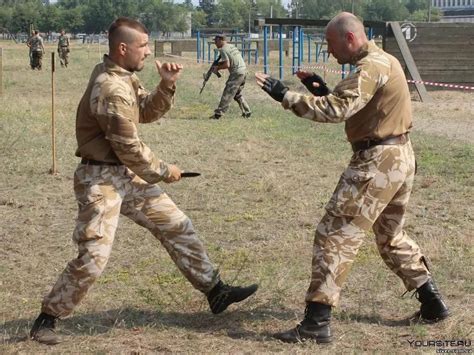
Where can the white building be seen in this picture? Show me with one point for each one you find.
(455, 10)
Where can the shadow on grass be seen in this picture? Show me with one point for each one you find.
(233, 322)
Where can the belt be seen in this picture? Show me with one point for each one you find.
(369, 143)
(97, 162)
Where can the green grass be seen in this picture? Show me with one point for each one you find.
(263, 188)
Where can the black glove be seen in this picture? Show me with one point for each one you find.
(275, 88)
(321, 90)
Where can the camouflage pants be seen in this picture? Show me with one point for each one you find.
(233, 90)
(36, 59)
(372, 192)
(103, 193)
(63, 53)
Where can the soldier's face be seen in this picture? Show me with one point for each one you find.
(136, 53)
(337, 46)
(218, 42)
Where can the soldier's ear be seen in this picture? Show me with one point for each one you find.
(122, 48)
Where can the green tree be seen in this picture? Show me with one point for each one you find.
(385, 10)
(275, 7)
(209, 8)
(6, 17)
(422, 15)
(72, 20)
(24, 14)
(198, 20)
(99, 14)
(415, 5)
(50, 19)
(232, 13)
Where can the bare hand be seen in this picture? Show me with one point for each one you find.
(175, 174)
(169, 72)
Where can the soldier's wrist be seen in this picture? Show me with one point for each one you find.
(167, 86)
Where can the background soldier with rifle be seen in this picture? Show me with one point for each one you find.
(232, 60)
(211, 71)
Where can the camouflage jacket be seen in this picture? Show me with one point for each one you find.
(373, 100)
(114, 102)
(36, 44)
(63, 41)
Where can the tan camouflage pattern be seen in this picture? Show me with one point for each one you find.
(63, 50)
(36, 43)
(114, 102)
(36, 60)
(103, 193)
(372, 192)
(373, 100)
(233, 90)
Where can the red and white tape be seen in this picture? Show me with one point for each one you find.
(429, 83)
(445, 85)
(327, 70)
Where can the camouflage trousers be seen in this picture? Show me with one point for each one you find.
(372, 192)
(36, 59)
(103, 193)
(63, 53)
(233, 90)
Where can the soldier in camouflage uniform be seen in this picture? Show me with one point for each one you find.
(63, 49)
(118, 175)
(232, 60)
(373, 192)
(35, 43)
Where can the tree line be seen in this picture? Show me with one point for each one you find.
(94, 16)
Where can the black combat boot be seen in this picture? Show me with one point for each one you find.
(315, 326)
(433, 308)
(43, 330)
(222, 295)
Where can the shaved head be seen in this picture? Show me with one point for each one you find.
(124, 30)
(345, 35)
(346, 22)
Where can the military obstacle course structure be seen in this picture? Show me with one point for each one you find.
(438, 55)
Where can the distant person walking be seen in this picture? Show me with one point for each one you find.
(231, 59)
(35, 43)
(63, 49)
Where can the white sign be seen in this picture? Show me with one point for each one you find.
(409, 31)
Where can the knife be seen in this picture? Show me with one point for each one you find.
(189, 174)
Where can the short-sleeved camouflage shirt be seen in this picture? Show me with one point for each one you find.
(36, 43)
(63, 41)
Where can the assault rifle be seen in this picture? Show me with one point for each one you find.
(207, 75)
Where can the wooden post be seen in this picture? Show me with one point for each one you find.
(1, 71)
(53, 169)
(409, 61)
